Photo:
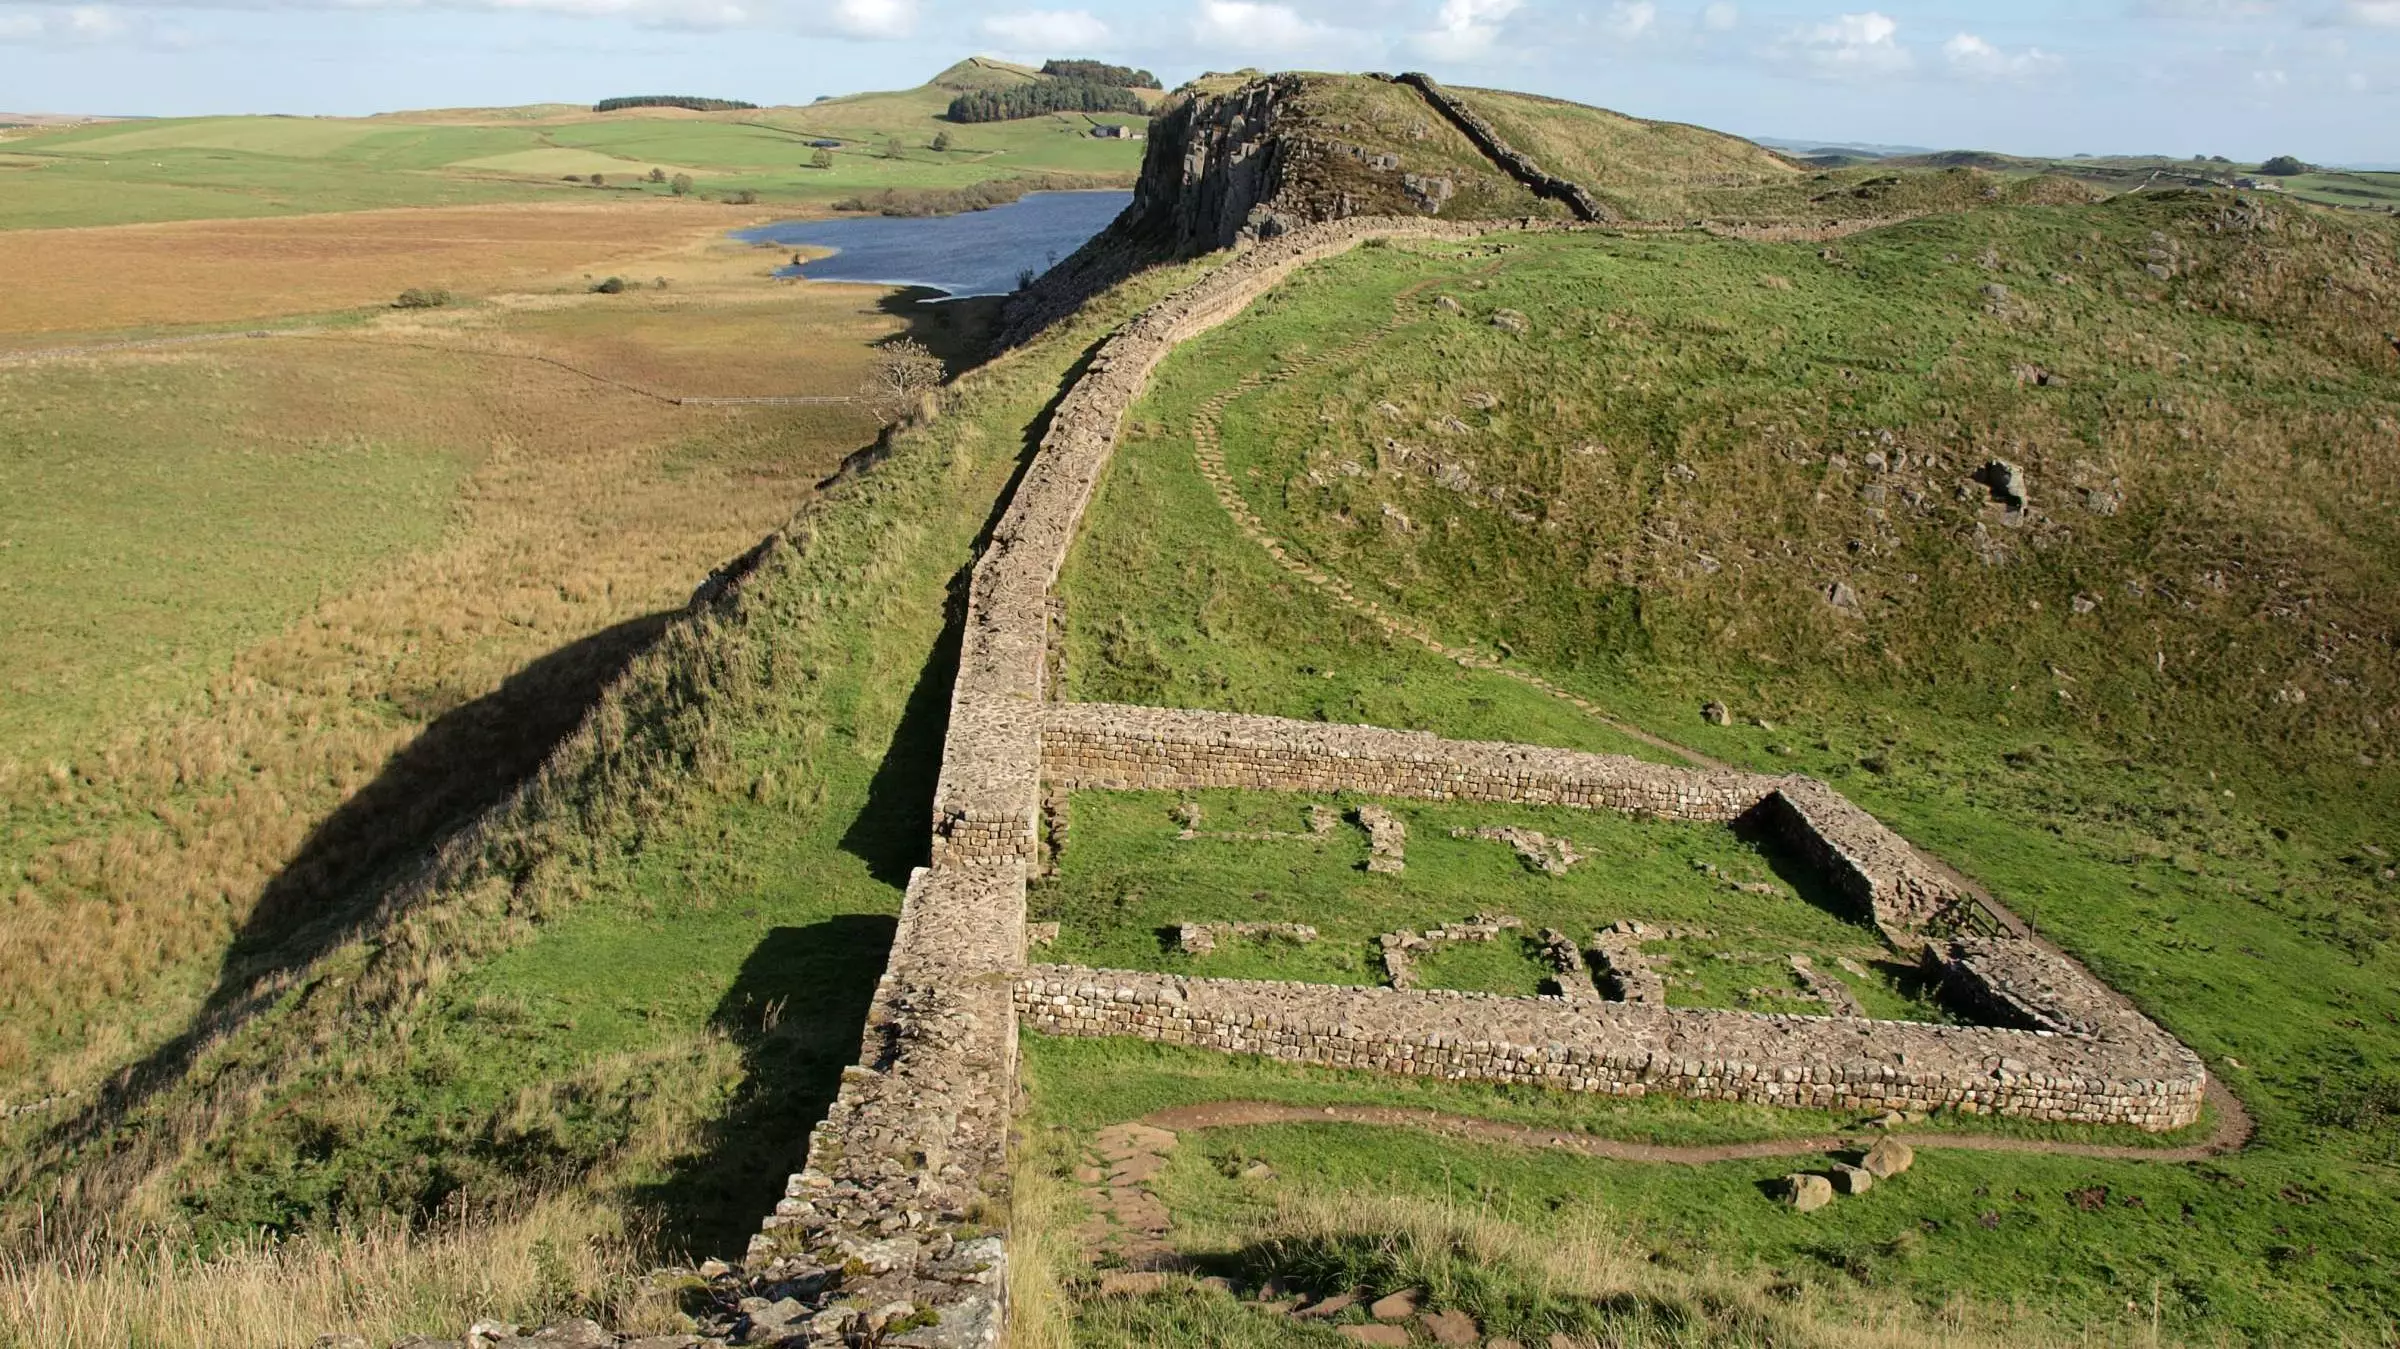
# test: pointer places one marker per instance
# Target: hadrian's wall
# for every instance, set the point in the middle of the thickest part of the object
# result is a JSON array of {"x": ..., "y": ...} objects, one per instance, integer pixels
[
  {"x": 2146, "y": 1080},
  {"x": 888, "y": 1232},
  {"x": 989, "y": 790},
  {"x": 1487, "y": 138}
]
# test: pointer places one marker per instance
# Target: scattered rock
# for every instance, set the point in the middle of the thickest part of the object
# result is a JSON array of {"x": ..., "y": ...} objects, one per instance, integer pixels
[
  {"x": 1807, "y": 1192},
  {"x": 1888, "y": 1158},
  {"x": 1131, "y": 1282},
  {"x": 1387, "y": 840},
  {"x": 2007, "y": 482},
  {"x": 342, "y": 1342},
  {"x": 1511, "y": 321},
  {"x": 1332, "y": 1306},
  {"x": 1852, "y": 1179},
  {"x": 1842, "y": 597},
  {"x": 1716, "y": 714},
  {"x": 1384, "y": 1335},
  {"x": 1258, "y": 1171},
  {"x": 1447, "y": 305},
  {"x": 1395, "y": 1307},
  {"x": 1452, "y": 1327}
]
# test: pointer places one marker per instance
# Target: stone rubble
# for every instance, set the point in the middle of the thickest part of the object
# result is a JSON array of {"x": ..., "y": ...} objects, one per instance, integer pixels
[{"x": 1534, "y": 848}]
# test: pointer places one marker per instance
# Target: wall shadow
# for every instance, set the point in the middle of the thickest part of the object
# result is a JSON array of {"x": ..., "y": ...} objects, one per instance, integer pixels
[
  {"x": 465, "y": 761},
  {"x": 958, "y": 331},
  {"x": 796, "y": 1011}
]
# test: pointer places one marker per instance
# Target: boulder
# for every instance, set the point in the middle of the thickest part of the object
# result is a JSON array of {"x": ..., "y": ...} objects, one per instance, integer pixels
[
  {"x": 1716, "y": 714},
  {"x": 1888, "y": 1158},
  {"x": 1510, "y": 320},
  {"x": 1394, "y": 1336},
  {"x": 1397, "y": 1307},
  {"x": 1452, "y": 1327},
  {"x": 1807, "y": 1192},
  {"x": 1852, "y": 1179}
]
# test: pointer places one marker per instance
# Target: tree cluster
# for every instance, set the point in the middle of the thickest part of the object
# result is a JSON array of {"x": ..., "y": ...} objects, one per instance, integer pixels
[
  {"x": 2283, "y": 166},
  {"x": 672, "y": 101},
  {"x": 1047, "y": 96},
  {"x": 1101, "y": 72}
]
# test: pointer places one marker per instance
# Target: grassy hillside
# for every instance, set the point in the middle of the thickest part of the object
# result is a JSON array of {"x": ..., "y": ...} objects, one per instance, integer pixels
[
  {"x": 229, "y": 167},
  {"x": 1646, "y": 170},
  {"x": 1649, "y": 495}
]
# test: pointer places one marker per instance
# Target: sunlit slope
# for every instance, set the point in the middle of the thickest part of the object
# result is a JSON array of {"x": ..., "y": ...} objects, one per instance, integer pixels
[{"x": 1648, "y": 170}]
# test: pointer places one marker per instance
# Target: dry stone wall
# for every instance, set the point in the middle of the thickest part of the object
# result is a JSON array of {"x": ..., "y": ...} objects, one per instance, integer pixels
[
  {"x": 1111, "y": 747},
  {"x": 1541, "y": 181},
  {"x": 1622, "y": 1049},
  {"x": 890, "y": 1223}
]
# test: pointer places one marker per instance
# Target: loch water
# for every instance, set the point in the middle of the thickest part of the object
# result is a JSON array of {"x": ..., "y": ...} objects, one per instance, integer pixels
[{"x": 973, "y": 253}]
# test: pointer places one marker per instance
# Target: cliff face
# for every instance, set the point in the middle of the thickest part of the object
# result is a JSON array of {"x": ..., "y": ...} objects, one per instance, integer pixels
[{"x": 1267, "y": 157}]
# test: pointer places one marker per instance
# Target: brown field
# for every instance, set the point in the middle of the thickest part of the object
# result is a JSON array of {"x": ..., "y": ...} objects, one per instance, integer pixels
[
  {"x": 219, "y": 271},
  {"x": 189, "y": 788}
]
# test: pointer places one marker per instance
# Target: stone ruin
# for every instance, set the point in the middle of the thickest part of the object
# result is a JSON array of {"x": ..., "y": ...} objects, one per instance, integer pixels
[{"x": 894, "y": 1233}]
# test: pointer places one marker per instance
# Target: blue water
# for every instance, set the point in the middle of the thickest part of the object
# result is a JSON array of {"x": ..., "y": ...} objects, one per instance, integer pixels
[{"x": 975, "y": 253}]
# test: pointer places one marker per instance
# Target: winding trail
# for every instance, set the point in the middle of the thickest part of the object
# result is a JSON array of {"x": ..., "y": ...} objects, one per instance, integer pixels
[{"x": 2232, "y": 1132}]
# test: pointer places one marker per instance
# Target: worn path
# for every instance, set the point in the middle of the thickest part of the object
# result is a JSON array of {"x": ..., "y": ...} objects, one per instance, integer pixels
[{"x": 2233, "y": 1129}]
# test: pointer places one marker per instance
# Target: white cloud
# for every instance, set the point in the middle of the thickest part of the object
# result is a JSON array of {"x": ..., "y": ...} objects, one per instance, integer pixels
[
  {"x": 2373, "y": 13},
  {"x": 1720, "y": 17},
  {"x": 1975, "y": 58},
  {"x": 2218, "y": 10},
  {"x": 1047, "y": 30},
  {"x": 689, "y": 13},
  {"x": 1629, "y": 19},
  {"x": 1854, "y": 46},
  {"x": 882, "y": 20},
  {"x": 80, "y": 25},
  {"x": 1262, "y": 29},
  {"x": 1465, "y": 29}
]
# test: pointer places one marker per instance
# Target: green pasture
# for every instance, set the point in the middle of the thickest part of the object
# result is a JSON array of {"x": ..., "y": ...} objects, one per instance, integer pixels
[
  {"x": 158, "y": 521},
  {"x": 1126, "y": 880},
  {"x": 2218, "y": 855},
  {"x": 230, "y": 167}
]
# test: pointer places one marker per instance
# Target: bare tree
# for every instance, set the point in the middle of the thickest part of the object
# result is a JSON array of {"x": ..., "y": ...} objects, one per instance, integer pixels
[{"x": 903, "y": 373}]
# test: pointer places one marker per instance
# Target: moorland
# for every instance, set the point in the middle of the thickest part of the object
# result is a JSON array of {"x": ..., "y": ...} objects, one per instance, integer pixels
[{"x": 420, "y": 908}]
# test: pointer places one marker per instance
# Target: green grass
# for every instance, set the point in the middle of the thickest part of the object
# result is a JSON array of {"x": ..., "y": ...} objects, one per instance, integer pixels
[
  {"x": 145, "y": 545},
  {"x": 640, "y": 980},
  {"x": 1959, "y": 1226},
  {"x": 1666, "y": 435},
  {"x": 232, "y": 167},
  {"x": 1126, "y": 880}
]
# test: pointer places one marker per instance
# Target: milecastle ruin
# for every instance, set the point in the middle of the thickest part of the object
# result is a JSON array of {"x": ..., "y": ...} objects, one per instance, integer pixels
[{"x": 904, "y": 1195}]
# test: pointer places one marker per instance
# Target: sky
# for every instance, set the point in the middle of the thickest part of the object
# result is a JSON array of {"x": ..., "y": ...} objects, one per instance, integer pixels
[{"x": 2243, "y": 78}]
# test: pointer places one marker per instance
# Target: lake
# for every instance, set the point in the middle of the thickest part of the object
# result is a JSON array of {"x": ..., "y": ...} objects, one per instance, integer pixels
[{"x": 973, "y": 253}]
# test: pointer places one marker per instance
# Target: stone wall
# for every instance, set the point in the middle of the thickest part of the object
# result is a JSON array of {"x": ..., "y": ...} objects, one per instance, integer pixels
[
  {"x": 1620, "y": 1049},
  {"x": 890, "y": 1221},
  {"x": 989, "y": 791},
  {"x": 1540, "y": 181},
  {"x": 1110, "y": 747}
]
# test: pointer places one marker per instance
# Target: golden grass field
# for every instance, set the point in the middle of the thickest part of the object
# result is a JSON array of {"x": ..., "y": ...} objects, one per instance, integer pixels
[
  {"x": 219, "y": 271},
  {"x": 248, "y": 582}
]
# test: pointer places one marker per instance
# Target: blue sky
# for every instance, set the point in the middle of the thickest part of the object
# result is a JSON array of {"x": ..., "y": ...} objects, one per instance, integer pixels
[{"x": 2245, "y": 78}]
